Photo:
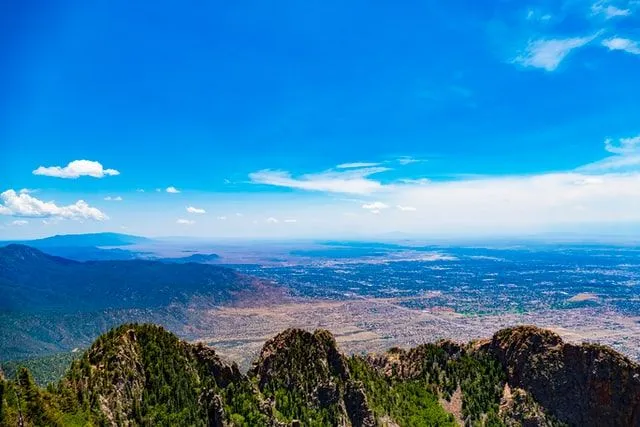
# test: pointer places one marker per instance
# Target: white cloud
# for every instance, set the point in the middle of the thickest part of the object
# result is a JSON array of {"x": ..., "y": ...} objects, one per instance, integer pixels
[
  {"x": 238, "y": 214},
  {"x": 625, "y": 146},
  {"x": 609, "y": 11},
  {"x": 533, "y": 15},
  {"x": 375, "y": 206},
  {"x": 290, "y": 220},
  {"x": 406, "y": 208},
  {"x": 113, "y": 199},
  {"x": 140, "y": 190},
  {"x": 272, "y": 220},
  {"x": 183, "y": 221},
  {"x": 172, "y": 190},
  {"x": 51, "y": 221},
  {"x": 626, "y": 156},
  {"x": 351, "y": 181},
  {"x": 19, "y": 222},
  {"x": 222, "y": 218},
  {"x": 76, "y": 169},
  {"x": 25, "y": 205},
  {"x": 195, "y": 210},
  {"x": 419, "y": 181},
  {"x": 356, "y": 165},
  {"x": 406, "y": 160},
  {"x": 548, "y": 54},
  {"x": 375, "y": 211},
  {"x": 626, "y": 45}
]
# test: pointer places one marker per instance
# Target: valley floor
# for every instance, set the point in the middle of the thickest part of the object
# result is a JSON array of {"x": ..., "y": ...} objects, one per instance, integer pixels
[{"x": 376, "y": 324}]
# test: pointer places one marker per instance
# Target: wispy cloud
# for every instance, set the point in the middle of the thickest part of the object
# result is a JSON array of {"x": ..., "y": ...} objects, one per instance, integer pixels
[
  {"x": 290, "y": 220},
  {"x": 418, "y": 181},
  {"x": 172, "y": 190},
  {"x": 350, "y": 181},
  {"x": 113, "y": 199},
  {"x": 76, "y": 169},
  {"x": 25, "y": 205},
  {"x": 356, "y": 165},
  {"x": 375, "y": 206},
  {"x": 222, "y": 218},
  {"x": 406, "y": 208},
  {"x": 619, "y": 43},
  {"x": 624, "y": 146},
  {"x": 19, "y": 222},
  {"x": 548, "y": 54},
  {"x": 626, "y": 156},
  {"x": 608, "y": 11},
  {"x": 272, "y": 220},
  {"x": 195, "y": 210},
  {"x": 183, "y": 221},
  {"x": 407, "y": 160}
]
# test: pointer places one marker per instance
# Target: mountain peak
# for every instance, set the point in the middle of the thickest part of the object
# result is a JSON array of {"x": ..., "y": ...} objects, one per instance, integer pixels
[
  {"x": 141, "y": 374},
  {"x": 585, "y": 384},
  {"x": 16, "y": 252}
]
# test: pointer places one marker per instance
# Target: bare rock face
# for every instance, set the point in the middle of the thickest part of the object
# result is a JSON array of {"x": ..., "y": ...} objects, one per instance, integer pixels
[
  {"x": 358, "y": 410},
  {"x": 518, "y": 409},
  {"x": 223, "y": 372},
  {"x": 216, "y": 416},
  {"x": 582, "y": 385},
  {"x": 302, "y": 360},
  {"x": 311, "y": 365}
]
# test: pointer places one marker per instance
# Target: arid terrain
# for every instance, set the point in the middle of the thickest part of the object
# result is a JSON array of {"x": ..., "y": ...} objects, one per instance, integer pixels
[{"x": 375, "y": 324}]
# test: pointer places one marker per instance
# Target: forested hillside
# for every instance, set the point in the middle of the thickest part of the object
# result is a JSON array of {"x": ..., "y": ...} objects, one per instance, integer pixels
[{"x": 144, "y": 375}]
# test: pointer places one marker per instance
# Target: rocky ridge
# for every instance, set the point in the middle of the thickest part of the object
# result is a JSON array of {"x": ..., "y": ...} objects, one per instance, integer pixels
[{"x": 144, "y": 375}]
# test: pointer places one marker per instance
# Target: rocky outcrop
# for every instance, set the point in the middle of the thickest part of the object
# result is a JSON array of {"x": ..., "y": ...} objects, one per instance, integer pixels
[
  {"x": 310, "y": 365},
  {"x": 356, "y": 404},
  {"x": 582, "y": 385},
  {"x": 524, "y": 376},
  {"x": 409, "y": 364},
  {"x": 216, "y": 416},
  {"x": 298, "y": 358},
  {"x": 518, "y": 409}
]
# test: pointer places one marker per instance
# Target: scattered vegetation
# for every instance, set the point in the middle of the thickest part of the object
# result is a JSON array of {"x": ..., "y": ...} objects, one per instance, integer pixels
[
  {"x": 144, "y": 375},
  {"x": 45, "y": 370}
]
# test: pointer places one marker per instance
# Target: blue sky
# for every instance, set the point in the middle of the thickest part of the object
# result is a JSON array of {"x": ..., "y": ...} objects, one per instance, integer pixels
[{"x": 452, "y": 118}]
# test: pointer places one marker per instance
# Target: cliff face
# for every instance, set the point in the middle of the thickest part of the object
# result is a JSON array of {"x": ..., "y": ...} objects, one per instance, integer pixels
[
  {"x": 582, "y": 385},
  {"x": 307, "y": 368},
  {"x": 144, "y": 375}
]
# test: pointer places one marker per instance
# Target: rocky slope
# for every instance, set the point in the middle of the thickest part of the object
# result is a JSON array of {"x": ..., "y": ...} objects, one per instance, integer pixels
[
  {"x": 586, "y": 385},
  {"x": 144, "y": 375}
]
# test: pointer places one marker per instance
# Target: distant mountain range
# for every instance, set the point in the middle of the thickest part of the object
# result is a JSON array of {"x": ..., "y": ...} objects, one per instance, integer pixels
[
  {"x": 45, "y": 298},
  {"x": 32, "y": 280},
  {"x": 83, "y": 240},
  {"x": 143, "y": 375},
  {"x": 88, "y": 247},
  {"x": 105, "y": 247}
]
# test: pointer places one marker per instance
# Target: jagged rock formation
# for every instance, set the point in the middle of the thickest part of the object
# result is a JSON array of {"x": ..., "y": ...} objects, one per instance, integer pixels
[
  {"x": 307, "y": 368},
  {"x": 144, "y": 375},
  {"x": 585, "y": 385}
]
